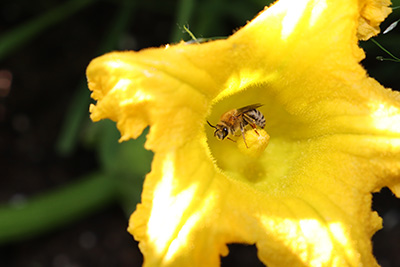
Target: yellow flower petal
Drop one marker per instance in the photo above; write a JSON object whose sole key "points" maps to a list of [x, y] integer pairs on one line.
{"points": [[303, 196], [372, 13]]}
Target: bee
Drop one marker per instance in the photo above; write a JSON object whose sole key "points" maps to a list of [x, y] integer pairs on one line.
{"points": [[235, 119]]}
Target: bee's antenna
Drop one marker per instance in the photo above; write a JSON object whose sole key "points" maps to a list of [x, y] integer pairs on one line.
{"points": [[211, 125]]}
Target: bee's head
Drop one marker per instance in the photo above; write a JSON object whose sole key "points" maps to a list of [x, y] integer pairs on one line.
{"points": [[221, 131]]}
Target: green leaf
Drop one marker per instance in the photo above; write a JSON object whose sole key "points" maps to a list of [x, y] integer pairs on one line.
{"points": [[127, 162], [59, 207]]}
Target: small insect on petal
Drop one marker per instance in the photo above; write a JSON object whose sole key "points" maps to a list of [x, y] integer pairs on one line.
{"points": [[256, 143]]}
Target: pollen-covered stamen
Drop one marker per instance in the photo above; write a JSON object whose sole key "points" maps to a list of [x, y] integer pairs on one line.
{"points": [[254, 144]]}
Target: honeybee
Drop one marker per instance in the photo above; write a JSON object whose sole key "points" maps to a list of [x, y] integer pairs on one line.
{"points": [[235, 119]]}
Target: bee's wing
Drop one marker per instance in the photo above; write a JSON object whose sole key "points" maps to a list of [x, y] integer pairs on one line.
{"points": [[249, 107]]}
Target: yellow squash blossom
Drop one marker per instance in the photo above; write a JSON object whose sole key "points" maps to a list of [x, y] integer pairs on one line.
{"points": [[303, 197]]}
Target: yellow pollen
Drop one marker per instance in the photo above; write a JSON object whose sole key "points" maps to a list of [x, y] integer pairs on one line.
{"points": [[256, 143]]}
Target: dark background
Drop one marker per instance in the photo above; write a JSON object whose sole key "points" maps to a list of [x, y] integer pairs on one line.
{"points": [[46, 72]]}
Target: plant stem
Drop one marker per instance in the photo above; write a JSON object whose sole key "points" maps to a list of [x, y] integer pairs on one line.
{"points": [[185, 8], [56, 208], [396, 59]]}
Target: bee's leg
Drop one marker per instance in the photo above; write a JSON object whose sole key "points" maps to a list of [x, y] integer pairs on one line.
{"points": [[244, 139], [242, 130], [251, 122], [231, 139]]}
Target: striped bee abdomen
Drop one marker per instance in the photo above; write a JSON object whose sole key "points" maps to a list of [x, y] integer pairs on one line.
{"points": [[256, 117]]}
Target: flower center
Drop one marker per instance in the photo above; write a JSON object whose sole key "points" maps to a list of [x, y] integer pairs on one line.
{"points": [[252, 156]]}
